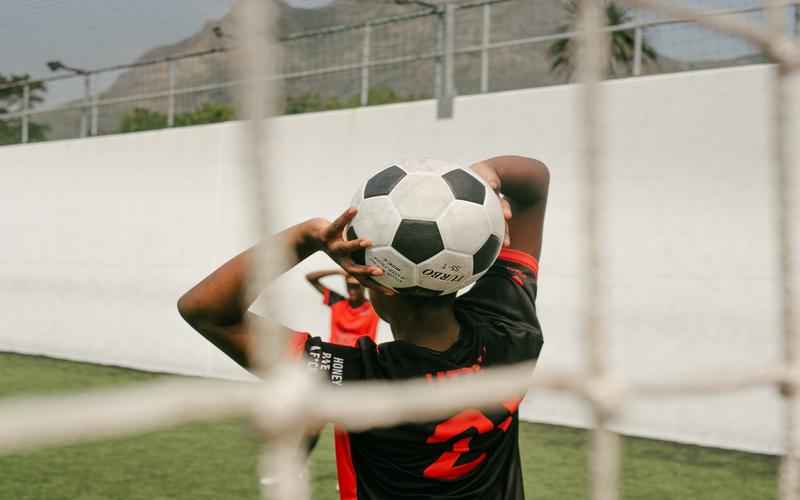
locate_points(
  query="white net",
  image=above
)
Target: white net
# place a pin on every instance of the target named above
(279, 404)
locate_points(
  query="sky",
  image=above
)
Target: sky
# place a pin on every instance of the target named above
(96, 33)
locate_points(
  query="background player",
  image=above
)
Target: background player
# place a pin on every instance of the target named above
(475, 453)
(352, 317)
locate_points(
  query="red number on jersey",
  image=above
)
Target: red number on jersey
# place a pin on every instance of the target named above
(445, 467)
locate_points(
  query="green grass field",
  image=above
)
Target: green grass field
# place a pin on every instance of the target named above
(218, 460)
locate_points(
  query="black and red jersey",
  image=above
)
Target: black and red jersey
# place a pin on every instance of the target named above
(475, 453)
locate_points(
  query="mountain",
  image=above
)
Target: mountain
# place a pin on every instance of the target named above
(510, 67)
(514, 67)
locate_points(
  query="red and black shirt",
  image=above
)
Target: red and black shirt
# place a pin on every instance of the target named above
(349, 323)
(472, 455)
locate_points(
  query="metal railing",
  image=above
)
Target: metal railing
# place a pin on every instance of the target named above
(288, 400)
(441, 54)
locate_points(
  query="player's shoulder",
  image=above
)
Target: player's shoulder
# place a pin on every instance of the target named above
(330, 297)
(517, 261)
(513, 278)
(504, 338)
(505, 296)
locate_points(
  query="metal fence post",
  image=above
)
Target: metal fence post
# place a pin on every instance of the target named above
(487, 30)
(365, 65)
(637, 51)
(447, 90)
(26, 99)
(439, 28)
(94, 110)
(171, 97)
(87, 90)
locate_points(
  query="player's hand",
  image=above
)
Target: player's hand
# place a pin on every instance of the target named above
(488, 174)
(341, 251)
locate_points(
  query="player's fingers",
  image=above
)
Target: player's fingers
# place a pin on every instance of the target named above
(507, 238)
(506, 206)
(374, 285)
(488, 174)
(364, 275)
(345, 247)
(347, 263)
(358, 270)
(336, 228)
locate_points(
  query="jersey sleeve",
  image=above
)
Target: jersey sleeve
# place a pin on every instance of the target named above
(335, 363)
(503, 302)
(329, 297)
(508, 288)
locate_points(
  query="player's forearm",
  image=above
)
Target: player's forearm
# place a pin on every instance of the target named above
(222, 298)
(524, 180)
(318, 275)
(219, 299)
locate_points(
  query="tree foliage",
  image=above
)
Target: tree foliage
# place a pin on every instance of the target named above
(307, 103)
(140, 119)
(12, 94)
(563, 52)
(208, 113)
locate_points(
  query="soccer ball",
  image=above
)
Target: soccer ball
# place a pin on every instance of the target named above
(435, 227)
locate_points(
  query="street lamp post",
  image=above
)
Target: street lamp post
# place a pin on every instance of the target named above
(89, 112)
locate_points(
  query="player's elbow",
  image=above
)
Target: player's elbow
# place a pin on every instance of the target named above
(189, 309)
(539, 165)
(542, 177)
(538, 171)
(536, 177)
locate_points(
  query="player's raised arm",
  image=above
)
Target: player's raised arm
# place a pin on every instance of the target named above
(315, 277)
(217, 306)
(524, 183)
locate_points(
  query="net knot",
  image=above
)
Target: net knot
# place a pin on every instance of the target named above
(606, 393)
(284, 403)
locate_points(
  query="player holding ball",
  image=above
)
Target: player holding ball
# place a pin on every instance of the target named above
(419, 233)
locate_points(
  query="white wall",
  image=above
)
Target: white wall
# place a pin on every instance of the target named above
(101, 236)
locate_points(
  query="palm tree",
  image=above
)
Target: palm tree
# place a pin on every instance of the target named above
(562, 52)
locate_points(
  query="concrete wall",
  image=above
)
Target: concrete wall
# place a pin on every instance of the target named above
(101, 236)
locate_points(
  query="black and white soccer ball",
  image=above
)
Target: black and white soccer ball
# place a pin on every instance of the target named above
(435, 227)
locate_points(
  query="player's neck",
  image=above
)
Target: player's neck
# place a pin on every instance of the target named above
(435, 329)
(356, 303)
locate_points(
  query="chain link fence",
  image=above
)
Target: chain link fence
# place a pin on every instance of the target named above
(438, 51)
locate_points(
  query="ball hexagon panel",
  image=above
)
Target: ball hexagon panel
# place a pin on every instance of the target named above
(383, 182)
(398, 272)
(438, 167)
(417, 240)
(464, 227)
(484, 257)
(358, 197)
(465, 186)
(445, 271)
(377, 220)
(421, 196)
(495, 213)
